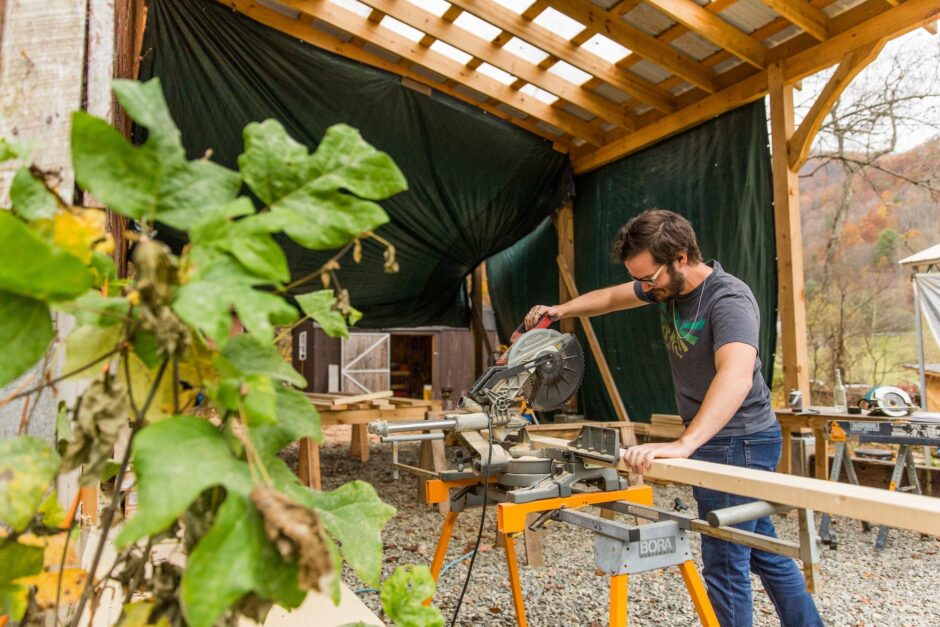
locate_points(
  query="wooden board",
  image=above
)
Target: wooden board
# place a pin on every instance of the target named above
(895, 509)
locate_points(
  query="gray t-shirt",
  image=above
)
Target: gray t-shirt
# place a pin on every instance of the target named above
(720, 310)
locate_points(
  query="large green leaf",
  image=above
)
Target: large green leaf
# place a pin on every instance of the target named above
(17, 560)
(250, 356)
(354, 515)
(322, 200)
(91, 308)
(86, 344)
(14, 599)
(232, 559)
(296, 418)
(319, 305)
(30, 197)
(175, 460)
(403, 596)
(206, 302)
(27, 468)
(25, 333)
(153, 181)
(29, 266)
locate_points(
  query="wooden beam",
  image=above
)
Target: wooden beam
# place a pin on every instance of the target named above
(386, 39)
(799, 144)
(786, 186)
(569, 52)
(476, 324)
(802, 14)
(895, 509)
(595, 345)
(714, 29)
(462, 39)
(320, 39)
(636, 40)
(872, 27)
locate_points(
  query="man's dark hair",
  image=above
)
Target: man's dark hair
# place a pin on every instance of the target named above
(664, 233)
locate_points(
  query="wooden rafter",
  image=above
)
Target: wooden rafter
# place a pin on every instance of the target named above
(714, 29)
(636, 40)
(870, 27)
(571, 53)
(802, 14)
(451, 34)
(320, 39)
(799, 144)
(401, 46)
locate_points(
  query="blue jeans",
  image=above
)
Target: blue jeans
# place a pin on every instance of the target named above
(727, 564)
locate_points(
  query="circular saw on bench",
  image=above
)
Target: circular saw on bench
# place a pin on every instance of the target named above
(556, 363)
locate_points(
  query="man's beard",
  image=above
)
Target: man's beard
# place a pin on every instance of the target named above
(672, 289)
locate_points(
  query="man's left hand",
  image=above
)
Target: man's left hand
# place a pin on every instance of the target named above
(640, 458)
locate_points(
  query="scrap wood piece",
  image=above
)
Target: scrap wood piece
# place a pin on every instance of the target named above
(900, 510)
(360, 398)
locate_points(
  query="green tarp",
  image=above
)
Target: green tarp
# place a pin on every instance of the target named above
(717, 175)
(477, 183)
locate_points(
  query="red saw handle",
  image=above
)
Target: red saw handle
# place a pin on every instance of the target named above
(544, 322)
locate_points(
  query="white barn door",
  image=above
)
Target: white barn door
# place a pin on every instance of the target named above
(364, 363)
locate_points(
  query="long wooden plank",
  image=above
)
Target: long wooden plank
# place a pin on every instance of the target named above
(606, 374)
(714, 29)
(496, 56)
(636, 40)
(895, 509)
(360, 398)
(402, 46)
(885, 25)
(320, 39)
(802, 14)
(551, 43)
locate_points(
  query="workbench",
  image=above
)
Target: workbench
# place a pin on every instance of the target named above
(392, 410)
(791, 423)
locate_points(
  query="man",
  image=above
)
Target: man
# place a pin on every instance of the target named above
(710, 324)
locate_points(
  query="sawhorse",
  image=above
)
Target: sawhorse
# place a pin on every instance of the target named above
(511, 519)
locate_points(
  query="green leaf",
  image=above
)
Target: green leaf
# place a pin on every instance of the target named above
(207, 300)
(322, 200)
(260, 402)
(250, 356)
(296, 418)
(91, 308)
(31, 198)
(146, 347)
(13, 600)
(27, 468)
(52, 511)
(319, 305)
(354, 515)
(232, 559)
(403, 596)
(103, 268)
(19, 560)
(86, 344)
(30, 266)
(153, 181)
(175, 460)
(25, 333)
(9, 150)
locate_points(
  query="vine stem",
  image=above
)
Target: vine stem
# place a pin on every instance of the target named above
(119, 479)
(18, 395)
(316, 273)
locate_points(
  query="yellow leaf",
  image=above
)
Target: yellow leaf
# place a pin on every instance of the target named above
(82, 233)
(47, 583)
(138, 615)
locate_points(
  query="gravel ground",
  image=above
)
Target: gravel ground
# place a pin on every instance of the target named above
(862, 586)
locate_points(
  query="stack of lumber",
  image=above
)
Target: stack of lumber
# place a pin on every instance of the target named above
(372, 400)
(664, 426)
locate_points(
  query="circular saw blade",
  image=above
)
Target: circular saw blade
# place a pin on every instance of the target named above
(556, 380)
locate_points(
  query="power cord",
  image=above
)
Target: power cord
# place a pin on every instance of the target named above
(476, 548)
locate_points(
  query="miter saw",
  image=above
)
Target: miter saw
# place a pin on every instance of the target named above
(545, 368)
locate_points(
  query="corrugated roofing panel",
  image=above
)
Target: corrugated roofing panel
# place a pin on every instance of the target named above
(748, 15)
(516, 113)
(648, 19)
(280, 8)
(472, 93)
(331, 30)
(787, 33)
(694, 45)
(650, 71)
(545, 126)
(611, 92)
(434, 76)
(381, 52)
(573, 109)
(727, 64)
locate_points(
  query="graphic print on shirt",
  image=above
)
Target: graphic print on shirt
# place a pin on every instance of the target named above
(689, 330)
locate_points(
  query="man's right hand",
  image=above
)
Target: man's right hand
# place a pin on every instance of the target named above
(535, 314)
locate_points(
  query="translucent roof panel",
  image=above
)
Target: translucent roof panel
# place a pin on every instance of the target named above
(280, 8)
(559, 23)
(450, 52)
(356, 7)
(525, 51)
(497, 74)
(606, 48)
(570, 73)
(401, 28)
(538, 93)
(748, 15)
(516, 6)
(437, 7)
(478, 27)
(648, 19)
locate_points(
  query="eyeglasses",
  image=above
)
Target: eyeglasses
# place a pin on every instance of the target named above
(651, 280)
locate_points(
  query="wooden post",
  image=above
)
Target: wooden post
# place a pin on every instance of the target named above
(791, 296)
(308, 463)
(564, 226)
(476, 304)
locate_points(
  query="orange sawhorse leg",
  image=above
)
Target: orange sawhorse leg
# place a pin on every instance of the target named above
(514, 582)
(706, 613)
(618, 600)
(446, 531)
